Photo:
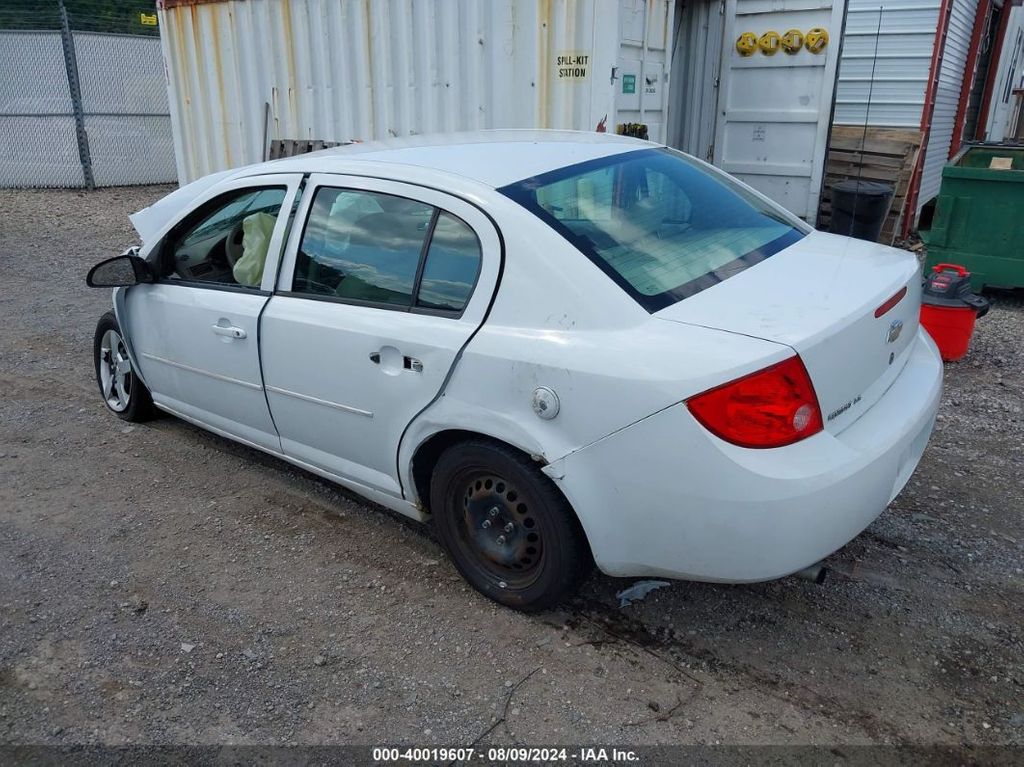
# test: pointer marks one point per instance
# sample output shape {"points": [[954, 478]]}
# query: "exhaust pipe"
{"points": [[815, 573]]}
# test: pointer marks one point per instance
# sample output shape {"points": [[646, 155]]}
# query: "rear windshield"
{"points": [[658, 223]]}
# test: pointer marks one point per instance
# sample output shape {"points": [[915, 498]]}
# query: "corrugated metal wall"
{"points": [[352, 69], [947, 97], [901, 71]]}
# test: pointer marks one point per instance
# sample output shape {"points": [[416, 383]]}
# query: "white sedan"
{"points": [[560, 348]]}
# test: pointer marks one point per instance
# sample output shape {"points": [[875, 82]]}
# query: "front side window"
{"points": [[660, 225], [368, 247], [227, 242]]}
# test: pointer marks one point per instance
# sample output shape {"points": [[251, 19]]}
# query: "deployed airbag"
{"points": [[256, 232]]}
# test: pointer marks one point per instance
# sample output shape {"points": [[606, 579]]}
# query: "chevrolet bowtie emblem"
{"points": [[895, 328]]}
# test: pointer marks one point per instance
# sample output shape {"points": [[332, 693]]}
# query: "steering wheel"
{"points": [[233, 245]]}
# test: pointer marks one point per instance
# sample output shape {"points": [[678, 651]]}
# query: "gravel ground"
{"points": [[159, 584]]}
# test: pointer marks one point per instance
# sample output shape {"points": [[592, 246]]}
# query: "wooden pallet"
{"points": [[885, 154], [289, 147]]}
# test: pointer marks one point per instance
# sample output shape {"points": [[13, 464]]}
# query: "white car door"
{"points": [[195, 330], [380, 288]]}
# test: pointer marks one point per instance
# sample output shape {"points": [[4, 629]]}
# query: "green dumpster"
{"points": [[979, 216]]}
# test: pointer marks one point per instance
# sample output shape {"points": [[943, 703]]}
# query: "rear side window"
{"points": [[451, 267], [660, 225], [379, 249], [362, 246]]}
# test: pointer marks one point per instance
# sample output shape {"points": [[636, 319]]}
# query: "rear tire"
{"points": [[123, 392], [506, 527]]}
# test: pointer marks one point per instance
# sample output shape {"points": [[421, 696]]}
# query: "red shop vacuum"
{"points": [[949, 309]]}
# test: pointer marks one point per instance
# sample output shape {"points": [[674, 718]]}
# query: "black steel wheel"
{"points": [[506, 527]]}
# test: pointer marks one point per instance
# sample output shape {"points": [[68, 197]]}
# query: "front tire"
{"points": [[123, 392], [506, 527]]}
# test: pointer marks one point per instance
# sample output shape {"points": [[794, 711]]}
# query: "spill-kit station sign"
{"points": [[572, 65]]}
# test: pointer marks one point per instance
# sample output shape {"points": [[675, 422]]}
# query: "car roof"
{"points": [[494, 158]]}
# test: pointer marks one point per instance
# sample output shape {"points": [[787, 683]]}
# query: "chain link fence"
{"points": [[82, 103]]}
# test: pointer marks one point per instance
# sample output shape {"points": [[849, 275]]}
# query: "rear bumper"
{"points": [[665, 497]]}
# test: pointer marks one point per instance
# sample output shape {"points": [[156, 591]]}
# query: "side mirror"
{"points": [[120, 272]]}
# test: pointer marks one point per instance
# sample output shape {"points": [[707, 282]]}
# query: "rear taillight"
{"points": [[770, 408], [891, 302]]}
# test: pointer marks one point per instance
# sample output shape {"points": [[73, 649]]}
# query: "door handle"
{"points": [[408, 363], [229, 330]]}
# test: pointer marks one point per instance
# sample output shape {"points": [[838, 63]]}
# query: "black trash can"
{"points": [[859, 208]]}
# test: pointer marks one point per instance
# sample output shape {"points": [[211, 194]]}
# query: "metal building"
{"points": [[923, 64], [1004, 116]]}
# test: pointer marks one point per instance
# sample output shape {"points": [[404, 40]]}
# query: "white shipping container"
{"points": [[243, 73], [773, 110]]}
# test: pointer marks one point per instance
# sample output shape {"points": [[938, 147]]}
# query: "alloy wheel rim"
{"points": [[498, 527], [115, 372]]}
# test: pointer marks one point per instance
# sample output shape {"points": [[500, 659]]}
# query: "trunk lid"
{"points": [[819, 296]]}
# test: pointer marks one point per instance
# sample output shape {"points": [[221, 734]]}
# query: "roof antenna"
{"points": [[867, 113]]}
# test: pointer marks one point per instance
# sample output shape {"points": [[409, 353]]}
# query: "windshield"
{"points": [[657, 222]]}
